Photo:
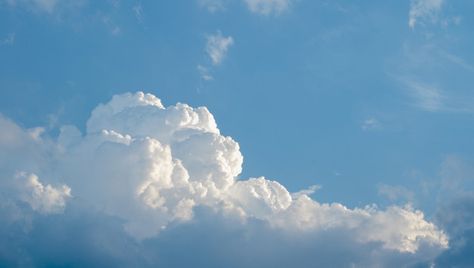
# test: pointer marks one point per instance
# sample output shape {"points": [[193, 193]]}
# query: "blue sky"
{"points": [[370, 100]]}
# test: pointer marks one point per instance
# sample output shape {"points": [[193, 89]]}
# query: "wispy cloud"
{"points": [[112, 27], [424, 10], [267, 7], [432, 98], [306, 192], [204, 72], [370, 123], [212, 5], [138, 11], [217, 47], [9, 40], [396, 193], [47, 6], [456, 60], [427, 97], [262, 7]]}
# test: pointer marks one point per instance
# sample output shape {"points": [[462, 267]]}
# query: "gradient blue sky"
{"points": [[294, 89], [372, 100]]}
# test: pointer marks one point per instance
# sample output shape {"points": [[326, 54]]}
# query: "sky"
{"points": [[236, 133]]}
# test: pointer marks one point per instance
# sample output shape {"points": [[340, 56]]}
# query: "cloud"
{"points": [[423, 10], [370, 124], [457, 60], [111, 26], [43, 198], [204, 72], [138, 11], [47, 6], [217, 46], [267, 7], [262, 7], [9, 40], [212, 5], [162, 177], [396, 193], [427, 97]]}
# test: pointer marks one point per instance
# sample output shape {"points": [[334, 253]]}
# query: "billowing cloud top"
{"points": [[151, 165]]}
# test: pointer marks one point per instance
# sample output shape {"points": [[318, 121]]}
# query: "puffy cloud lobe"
{"points": [[42, 198], [152, 166]]}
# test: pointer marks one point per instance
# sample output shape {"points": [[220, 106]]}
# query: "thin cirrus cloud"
{"points": [[432, 98], [154, 168], [427, 97], [423, 11]]}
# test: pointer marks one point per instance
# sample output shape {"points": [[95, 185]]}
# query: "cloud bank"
{"points": [[163, 180]]}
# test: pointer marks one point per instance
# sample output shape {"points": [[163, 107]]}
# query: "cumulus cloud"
{"points": [[217, 46], [267, 7], [154, 169], [422, 10]]}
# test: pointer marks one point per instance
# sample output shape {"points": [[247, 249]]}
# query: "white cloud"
{"points": [[42, 198], [423, 10], [152, 167], [217, 46], [308, 192], [267, 7]]}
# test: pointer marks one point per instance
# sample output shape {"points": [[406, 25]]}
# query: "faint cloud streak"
{"points": [[217, 47]]}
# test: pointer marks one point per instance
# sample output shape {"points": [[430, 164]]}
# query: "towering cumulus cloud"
{"points": [[153, 167]]}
